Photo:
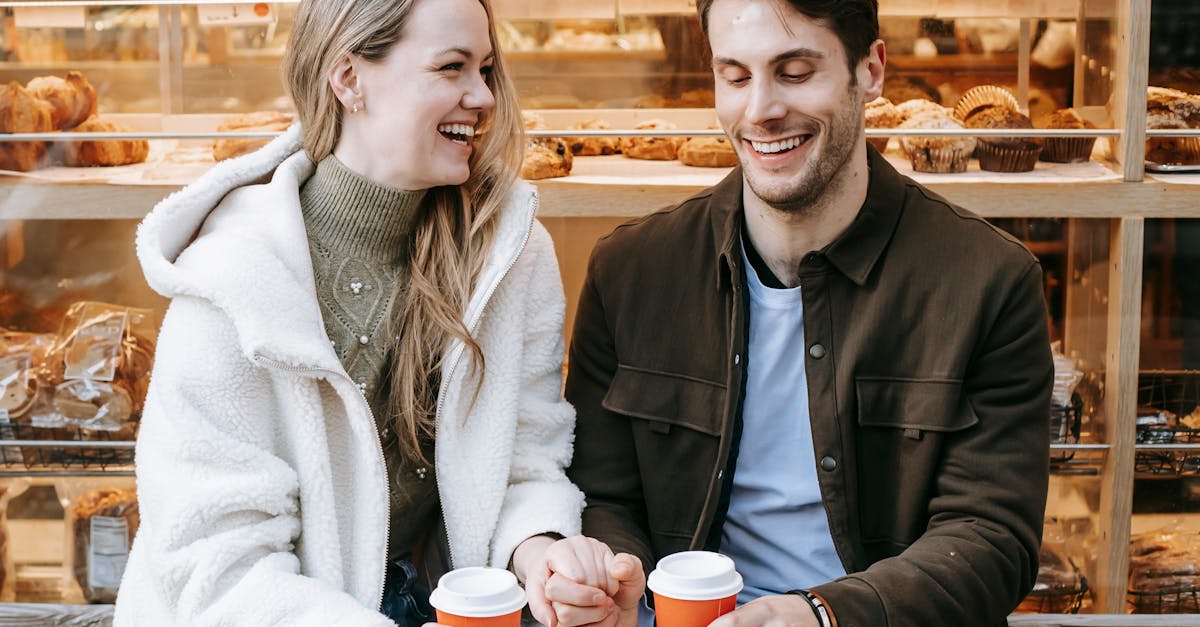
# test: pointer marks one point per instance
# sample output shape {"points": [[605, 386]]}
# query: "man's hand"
{"points": [[581, 565], [783, 610], [621, 610]]}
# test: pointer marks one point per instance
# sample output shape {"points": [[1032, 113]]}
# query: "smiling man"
{"points": [[817, 367]]}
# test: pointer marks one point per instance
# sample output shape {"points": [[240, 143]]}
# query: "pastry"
{"points": [[1004, 154], [652, 148], [545, 158], [1065, 149], [593, 144], [73, 98], [881, 113], [22, 112], [708, 152], [937, 154], [248, 122], [1171, 150], [696, 98], [104, 152]]}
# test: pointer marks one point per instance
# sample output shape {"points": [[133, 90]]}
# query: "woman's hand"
{"points": [[579, 567]]}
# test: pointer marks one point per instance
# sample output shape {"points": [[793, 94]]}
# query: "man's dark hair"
{"points": [[855, 22]]}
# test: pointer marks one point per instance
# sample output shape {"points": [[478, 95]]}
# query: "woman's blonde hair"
{"points": [[458, 225]]}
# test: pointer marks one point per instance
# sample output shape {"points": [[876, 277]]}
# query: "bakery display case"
{"points": [[131, 101]]}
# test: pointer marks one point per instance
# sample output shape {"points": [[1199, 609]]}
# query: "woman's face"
{"points": [[420, 105]]}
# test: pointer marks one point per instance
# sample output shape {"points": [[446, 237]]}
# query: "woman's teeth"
{"points": [[779, 146], [458, 133]]}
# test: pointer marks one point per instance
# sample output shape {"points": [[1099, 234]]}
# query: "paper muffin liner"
{"points": [[880, 143], [1067, 149], [1007, 157], [939, 160], [1174, 150], [982, 96]]}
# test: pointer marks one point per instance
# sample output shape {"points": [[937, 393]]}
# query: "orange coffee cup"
{"points": [[478, 597], [693, 588]]}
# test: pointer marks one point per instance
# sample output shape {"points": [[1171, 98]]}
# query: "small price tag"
{"points": [[239, 14], [49, 17]]}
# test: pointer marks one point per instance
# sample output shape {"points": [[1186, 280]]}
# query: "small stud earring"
{"points": [[354, 108]]}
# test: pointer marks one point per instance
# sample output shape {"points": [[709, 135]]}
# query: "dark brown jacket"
{"points": [[929, 376]]}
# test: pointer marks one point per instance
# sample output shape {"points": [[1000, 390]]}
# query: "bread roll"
{"points": [[73, 98]]}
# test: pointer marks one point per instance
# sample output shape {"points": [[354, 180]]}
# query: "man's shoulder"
{"points": [[931, 218], [662, 232]]}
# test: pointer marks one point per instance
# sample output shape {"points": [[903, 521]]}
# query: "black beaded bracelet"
{"points": [[818, 607]]}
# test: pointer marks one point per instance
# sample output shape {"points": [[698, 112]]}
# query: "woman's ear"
{"points": [[343, 79]]}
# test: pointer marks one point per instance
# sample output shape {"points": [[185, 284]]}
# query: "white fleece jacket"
{"points": [[261, 482]]}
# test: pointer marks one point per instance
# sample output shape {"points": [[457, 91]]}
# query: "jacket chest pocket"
{"points": [[676, 421], [903, 427]]}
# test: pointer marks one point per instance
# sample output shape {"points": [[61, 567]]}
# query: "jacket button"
{"points": [[828, 464], [817, 351]]}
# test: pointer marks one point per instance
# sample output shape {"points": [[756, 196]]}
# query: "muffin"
{"points": [[652, 148], [1066, 149], [910, 109], [1040, 103], [708, 152], [982, 97], [1004, 154], [881, 113], [594, 144], [937, 154]]}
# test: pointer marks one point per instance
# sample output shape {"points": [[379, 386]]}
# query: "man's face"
{"points": [[786, 97]]}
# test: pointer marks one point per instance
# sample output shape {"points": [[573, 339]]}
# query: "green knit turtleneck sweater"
{"points": [[359, 235]]}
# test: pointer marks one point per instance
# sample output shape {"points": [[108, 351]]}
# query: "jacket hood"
{"points": [[236, 238]]}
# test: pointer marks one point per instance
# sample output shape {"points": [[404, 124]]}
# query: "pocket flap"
{"points": [[667, 398], [924, 404]]}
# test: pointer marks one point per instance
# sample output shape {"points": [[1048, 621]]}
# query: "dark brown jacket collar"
{"points": [[854, 253]]}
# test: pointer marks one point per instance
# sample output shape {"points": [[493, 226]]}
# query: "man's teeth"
{"points": [[457, 129], [779, 146]]}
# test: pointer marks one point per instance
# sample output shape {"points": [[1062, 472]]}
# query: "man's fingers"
{"points": [[574, 616], [631, 579]]}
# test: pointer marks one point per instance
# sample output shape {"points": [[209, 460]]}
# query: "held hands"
{"points": [[578, 581], [784, 610]]}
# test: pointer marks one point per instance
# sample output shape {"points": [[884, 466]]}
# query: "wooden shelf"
{"points": [[644, 189]]}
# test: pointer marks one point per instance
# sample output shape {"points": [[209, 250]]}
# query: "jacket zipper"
{"points": [[471, 324], [387, 528]]}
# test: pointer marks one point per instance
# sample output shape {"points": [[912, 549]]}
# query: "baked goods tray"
{"points": [[25, 449]]}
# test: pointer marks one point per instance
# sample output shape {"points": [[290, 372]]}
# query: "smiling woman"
{"points": [[360, 372]]}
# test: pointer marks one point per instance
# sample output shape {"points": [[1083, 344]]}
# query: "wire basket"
{"points": [[67, 446], [1066, 422], [1050, 601], [1176, 392], [1171, 600]]}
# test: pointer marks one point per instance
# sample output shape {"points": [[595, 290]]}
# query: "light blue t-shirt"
{"points": [[776, 530]]}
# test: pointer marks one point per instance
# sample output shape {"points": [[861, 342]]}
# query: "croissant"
{"points": [[73, 98]]}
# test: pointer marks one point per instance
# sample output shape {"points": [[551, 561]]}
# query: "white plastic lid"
{"points": [[478, 592], [695, 576]]}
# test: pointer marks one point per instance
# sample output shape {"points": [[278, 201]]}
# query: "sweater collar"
{"points": [[351, 214]]}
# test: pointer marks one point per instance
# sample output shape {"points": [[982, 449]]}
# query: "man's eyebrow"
{"points": [[794, 53], [464, 52]]}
